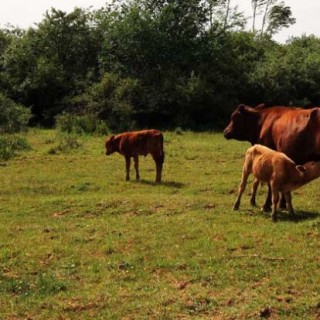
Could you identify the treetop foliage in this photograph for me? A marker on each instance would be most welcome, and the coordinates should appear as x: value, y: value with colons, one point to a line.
x: 164, y: 63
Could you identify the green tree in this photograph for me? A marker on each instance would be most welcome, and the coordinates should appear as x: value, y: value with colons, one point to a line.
x: 280, y: 16
x: 276, y: 16
x: 289, y: 74
x: 52, y: 62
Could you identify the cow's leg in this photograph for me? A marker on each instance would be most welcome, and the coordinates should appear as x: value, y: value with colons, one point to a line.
x: 242, y: 186
x: 267, y: 205
x: 158, y: 159
x: 275, y: 201
x: 136, y: 166
x: 255, y: 186
x: 288, y: 199
x: 128, y: 161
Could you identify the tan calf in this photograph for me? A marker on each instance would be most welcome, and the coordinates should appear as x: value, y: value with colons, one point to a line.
x: 279, y: 171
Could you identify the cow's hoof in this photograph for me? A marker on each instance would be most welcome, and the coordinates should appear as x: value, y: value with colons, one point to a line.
x: 274, y: 218
x: 266, y: 209
x: 253, y: 203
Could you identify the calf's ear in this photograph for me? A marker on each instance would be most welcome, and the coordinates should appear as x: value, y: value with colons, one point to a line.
x: 301, y: 168
x: 111, y: 138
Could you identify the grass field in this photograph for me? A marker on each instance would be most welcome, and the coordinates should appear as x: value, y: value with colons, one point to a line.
x: 79, y: 242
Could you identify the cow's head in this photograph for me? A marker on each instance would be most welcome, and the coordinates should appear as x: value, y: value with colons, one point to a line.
x: 111, y: 145
x: 242, y: 125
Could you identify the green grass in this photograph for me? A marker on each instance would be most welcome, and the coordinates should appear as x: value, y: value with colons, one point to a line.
x: 79, y: 242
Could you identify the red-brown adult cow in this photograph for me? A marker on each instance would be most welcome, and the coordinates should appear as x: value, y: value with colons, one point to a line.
x: 133, y: 144
x: 293, y: 131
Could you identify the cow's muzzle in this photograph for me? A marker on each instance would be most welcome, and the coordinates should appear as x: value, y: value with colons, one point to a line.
x: 227, y: 134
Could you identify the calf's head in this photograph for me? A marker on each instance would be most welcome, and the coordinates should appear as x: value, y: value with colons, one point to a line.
x: 111, y: 145
x: 310, y: 170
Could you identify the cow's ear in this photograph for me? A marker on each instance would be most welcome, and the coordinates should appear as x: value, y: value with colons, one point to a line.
x: 111, y: 138
x: 314, y: 113
x: 301, y: 168
x: 260, y: 106
x: 242, y: 108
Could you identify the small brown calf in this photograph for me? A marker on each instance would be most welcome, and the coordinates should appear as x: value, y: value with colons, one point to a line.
x: 133, y: 144
x: 279, y: 171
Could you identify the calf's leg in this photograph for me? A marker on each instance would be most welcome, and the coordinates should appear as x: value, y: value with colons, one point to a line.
x: 288, y: 198
x: 136, y: 166
x: 255, y: 186
x: 267, y: 205
x: 275, y: 201
x: 242, y: 186
x: 158, y: 159
x: 283, y: 202
x: 128, y: 161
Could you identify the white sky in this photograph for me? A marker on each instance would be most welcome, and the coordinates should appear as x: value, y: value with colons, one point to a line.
x: 306, y: 13
x: 25, y: 13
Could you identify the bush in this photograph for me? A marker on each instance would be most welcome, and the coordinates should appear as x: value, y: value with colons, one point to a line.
x: 113, y: 99
x: 11, y: 145
x: 80, y: 124
x: 67, y: 143
x: 13, y: 117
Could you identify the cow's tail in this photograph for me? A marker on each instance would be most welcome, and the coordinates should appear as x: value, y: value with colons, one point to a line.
x: 161, y: 151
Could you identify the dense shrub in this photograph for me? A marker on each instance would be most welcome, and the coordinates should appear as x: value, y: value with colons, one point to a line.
x: 67, y: 143
x: 80, y: 124
x: 11, y: 145
x: 114, y: 100
x: 13, y: 117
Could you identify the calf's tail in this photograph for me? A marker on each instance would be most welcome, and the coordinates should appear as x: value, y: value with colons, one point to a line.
x: 161, y: 151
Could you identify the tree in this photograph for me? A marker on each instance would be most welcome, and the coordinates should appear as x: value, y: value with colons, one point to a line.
x: 289, y: 74
x: 256, y: 7
x: 52, y: 62
x: 276, y: 16
x: 280, y: 16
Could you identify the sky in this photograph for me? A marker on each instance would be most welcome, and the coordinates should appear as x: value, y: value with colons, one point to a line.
x: 25, y: 14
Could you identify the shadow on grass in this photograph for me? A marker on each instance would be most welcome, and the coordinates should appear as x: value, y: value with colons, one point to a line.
x: 169, y: 184
x: 296, y: 217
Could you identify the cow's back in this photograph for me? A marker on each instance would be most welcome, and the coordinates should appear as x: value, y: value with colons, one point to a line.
x: 141, y: 142
x: 288, y: 130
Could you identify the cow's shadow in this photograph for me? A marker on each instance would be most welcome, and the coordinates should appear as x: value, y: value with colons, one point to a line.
x: 169, y: 184
x: 298, y: 216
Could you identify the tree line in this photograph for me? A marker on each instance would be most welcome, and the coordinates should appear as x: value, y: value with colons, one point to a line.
x: 163, y: 63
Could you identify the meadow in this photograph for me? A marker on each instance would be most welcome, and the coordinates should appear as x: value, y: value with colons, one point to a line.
x: 79, y: 242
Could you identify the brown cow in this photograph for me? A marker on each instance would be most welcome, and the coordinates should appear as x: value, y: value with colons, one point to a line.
x: 133, y: 144
x: 293, y: 131
x: 279, y: 171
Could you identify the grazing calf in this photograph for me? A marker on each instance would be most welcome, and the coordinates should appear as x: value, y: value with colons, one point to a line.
x: 279, y: 171
x: 133, y: 144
